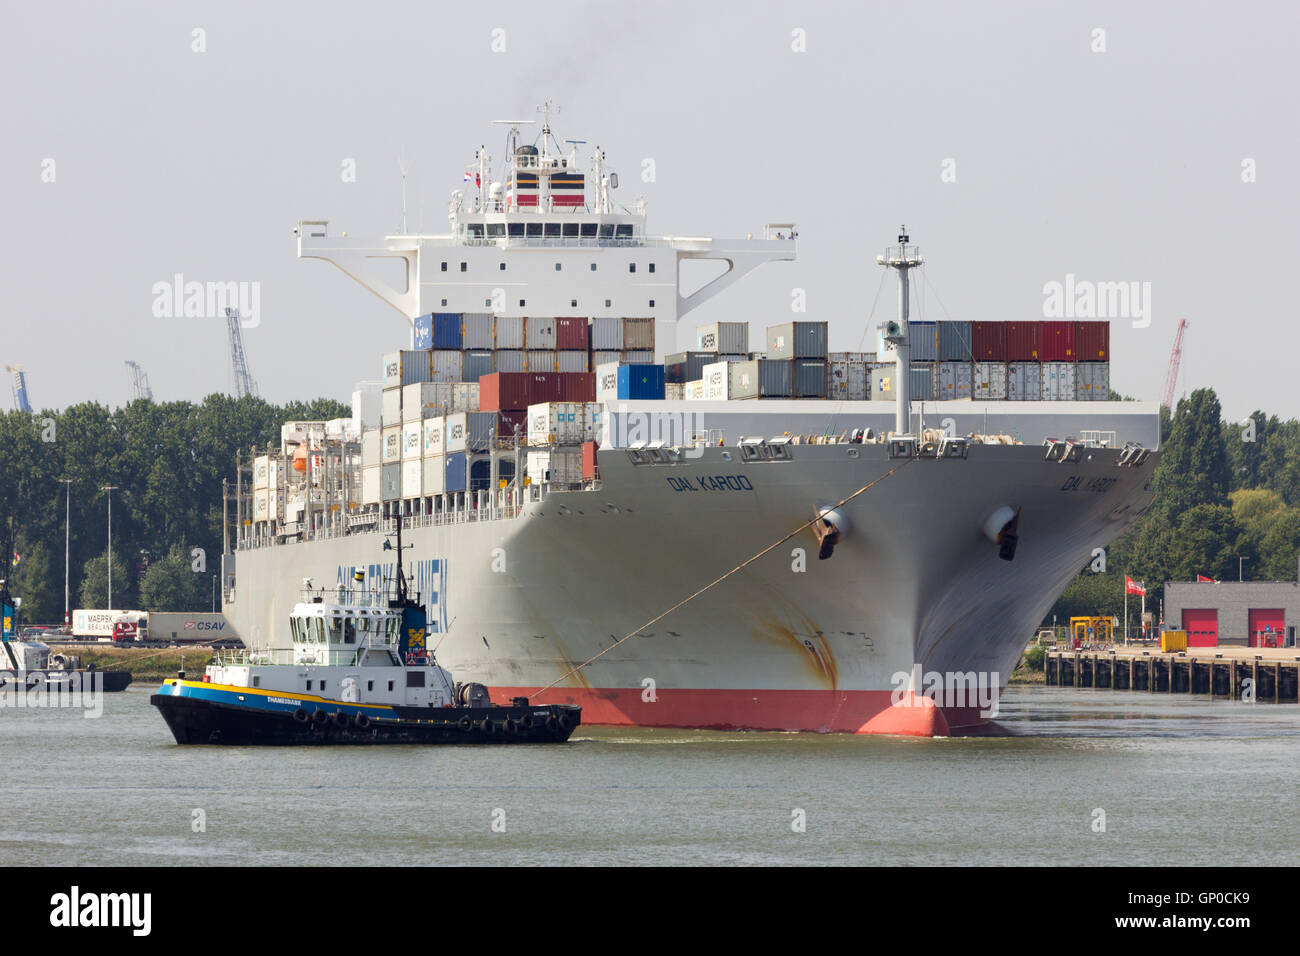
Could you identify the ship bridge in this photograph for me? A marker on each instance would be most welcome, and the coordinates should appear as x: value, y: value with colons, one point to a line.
x: 540, y: 237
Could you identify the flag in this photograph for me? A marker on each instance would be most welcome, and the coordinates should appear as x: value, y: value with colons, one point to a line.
x: 17, y: 558
x: 1202, y: 578
x: 1134, y: 587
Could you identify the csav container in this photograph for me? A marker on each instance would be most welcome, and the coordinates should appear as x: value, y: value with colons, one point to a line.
x: 989, y: 341
x: 990, y: 383
x: 797, y: 340
x: 1057, y: 342
x: 480, y: 331
x: 572, y: 334
x: 448, y: 331
x: 955, y: 344
x: 1092, y: 341
x: 724, y: 338
x: 1024, y: 382
x: 955, y: 381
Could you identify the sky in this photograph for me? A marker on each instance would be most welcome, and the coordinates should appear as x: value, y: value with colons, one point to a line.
x: 1021, y: 143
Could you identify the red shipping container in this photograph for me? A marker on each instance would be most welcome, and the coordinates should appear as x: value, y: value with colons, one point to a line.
x: 1092, y: 341
x: 989, y: 341
x: 515, y: 391
x: 1057, y: 342
x: 1023, y: 341
x: 575, y: 387
x: 506, y: 422
x: 589, y: 460
x: 571, y: 334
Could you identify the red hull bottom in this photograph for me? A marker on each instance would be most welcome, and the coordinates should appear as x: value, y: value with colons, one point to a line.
x: 841, y: 711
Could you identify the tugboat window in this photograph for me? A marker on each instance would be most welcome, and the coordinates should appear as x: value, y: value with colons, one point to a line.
x: 309, y: 685
x: 415, y: 678
x: 370, y: 685
x: 349, y: 631
x: 390, y: 685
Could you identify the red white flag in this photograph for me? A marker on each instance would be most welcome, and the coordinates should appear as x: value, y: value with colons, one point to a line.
x: 1203, y: 578
x: 1133, y: 587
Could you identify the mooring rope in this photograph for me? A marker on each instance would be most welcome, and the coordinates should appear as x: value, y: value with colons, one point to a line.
x: 740, y: 567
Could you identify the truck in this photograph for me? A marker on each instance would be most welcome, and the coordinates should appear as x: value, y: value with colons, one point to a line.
x: 154, y: 628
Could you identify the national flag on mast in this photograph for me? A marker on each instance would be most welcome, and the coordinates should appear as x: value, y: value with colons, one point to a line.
x: 1134, y: 587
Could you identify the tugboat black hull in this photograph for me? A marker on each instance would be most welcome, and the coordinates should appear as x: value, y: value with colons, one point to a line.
x: 195, y: 720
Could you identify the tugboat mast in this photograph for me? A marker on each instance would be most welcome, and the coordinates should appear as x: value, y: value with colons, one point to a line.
x: 902, y: 258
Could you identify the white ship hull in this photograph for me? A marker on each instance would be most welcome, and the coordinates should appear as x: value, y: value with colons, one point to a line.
x: 788, y: 643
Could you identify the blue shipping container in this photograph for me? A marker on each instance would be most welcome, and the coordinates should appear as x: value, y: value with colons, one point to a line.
x: 456, y: 472
x: 641, y: 381
x: 954, y: 342
x: 447, y: 330
x: 477, y: 364
x: 423, y: 332
x: 924, y: 340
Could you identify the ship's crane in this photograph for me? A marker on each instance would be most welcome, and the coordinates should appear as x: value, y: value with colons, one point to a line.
x: 1175, y: 360
x: 21, y: 402
x: 244, y: 384
x: 139, y: 381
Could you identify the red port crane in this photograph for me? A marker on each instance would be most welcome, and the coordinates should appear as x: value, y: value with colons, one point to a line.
x: 1175, y: 359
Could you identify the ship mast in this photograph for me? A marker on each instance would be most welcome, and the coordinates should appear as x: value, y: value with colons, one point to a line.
x: 902, y: 258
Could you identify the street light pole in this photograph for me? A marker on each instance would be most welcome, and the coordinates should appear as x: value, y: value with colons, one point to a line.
x: 110, y: 489
x: 1240, y: 561
x: 67, y: 537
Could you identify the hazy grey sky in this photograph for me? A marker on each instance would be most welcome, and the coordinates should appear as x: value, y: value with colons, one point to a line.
x: 1122, y: 165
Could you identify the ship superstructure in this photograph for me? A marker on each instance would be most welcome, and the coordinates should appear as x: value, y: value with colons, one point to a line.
x: 819, y: 556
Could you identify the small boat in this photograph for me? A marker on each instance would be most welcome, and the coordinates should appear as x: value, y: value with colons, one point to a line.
x: 359, y: 671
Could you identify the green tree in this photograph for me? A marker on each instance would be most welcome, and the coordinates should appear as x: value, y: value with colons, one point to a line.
x: 172, y: 585
x: 35, y: 581
x: 94, y: 583
x: 1279, y: 547
x: 1193, y: 468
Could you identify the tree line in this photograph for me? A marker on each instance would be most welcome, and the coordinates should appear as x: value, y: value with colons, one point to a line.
x: 166, y: 461
x: 1227, y: 504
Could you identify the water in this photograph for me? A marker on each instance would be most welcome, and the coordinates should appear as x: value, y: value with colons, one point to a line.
x: 1182, y: 780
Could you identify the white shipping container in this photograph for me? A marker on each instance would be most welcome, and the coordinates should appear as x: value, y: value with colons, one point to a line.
x: 390, y: 406
x: 435, y: 436
x: 464, y: 397
x: 413, y: 478
x: 370, y: 455
x: 391, y: 445
x: 556, y: 465
x: 674, y: 391
x: 510, y: 334
x: 1058, y: 382
x: 991, y: 381
x: 370, y: 484
x: 848, y: 379
x: 607, y: 381
x: 435, y: 475
x: 261, y: 471
x: 412, y: 440
x: 728, y: 338
x: 955, y: 381
x: 261, y: 505
x: 1092, y: 381
x: 273, y: 480
x: 406, y: 366
x: 365, y: 405
x: 1024, y: 382
x: 693, y: 391
x: 562, y: 423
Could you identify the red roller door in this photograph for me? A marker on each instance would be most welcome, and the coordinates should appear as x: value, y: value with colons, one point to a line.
x: 1266, y: 626
x: 1202, y: 626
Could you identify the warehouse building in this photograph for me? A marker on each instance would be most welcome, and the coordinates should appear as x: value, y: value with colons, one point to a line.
x: 1244, y: 614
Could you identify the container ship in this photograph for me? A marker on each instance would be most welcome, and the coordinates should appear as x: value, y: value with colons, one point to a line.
x: 749, y: 534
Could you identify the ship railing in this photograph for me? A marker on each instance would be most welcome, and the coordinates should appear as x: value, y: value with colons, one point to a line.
x: 560, y: 242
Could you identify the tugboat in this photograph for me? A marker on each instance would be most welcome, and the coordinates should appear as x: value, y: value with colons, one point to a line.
x: 27, y: 665
x: 359, y: 672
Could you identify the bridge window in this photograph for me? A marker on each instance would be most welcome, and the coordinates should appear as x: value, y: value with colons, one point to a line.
x: 553, y: 230
x: 623, y: 232
x: 557, y: 267
x: 652, y: 303
x: 534, y: 230
x: 573, y: 303
x: 502, y: 267
x: 631, y: 267
x: 589, y: 230
x: 652, y: 267
x: 476, y: 230
x: 521, y: 303
x: 608, y: 303
x: 516, y: 229
x: 607, y: 231
x: 593, y: 267
x: 496, y: 229
x: 444, y: 303
x: 463, y: 267
x: 444, y: 267
x: 349, y: 631
x: 571, y: 229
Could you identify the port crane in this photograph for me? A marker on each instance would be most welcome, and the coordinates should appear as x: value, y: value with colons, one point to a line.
x: 21, y: 402
x: 244, y: 384
x: 139, y: 381
x: 1175, y: 360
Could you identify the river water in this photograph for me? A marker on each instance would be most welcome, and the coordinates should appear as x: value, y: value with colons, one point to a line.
x: 1175, y: 780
